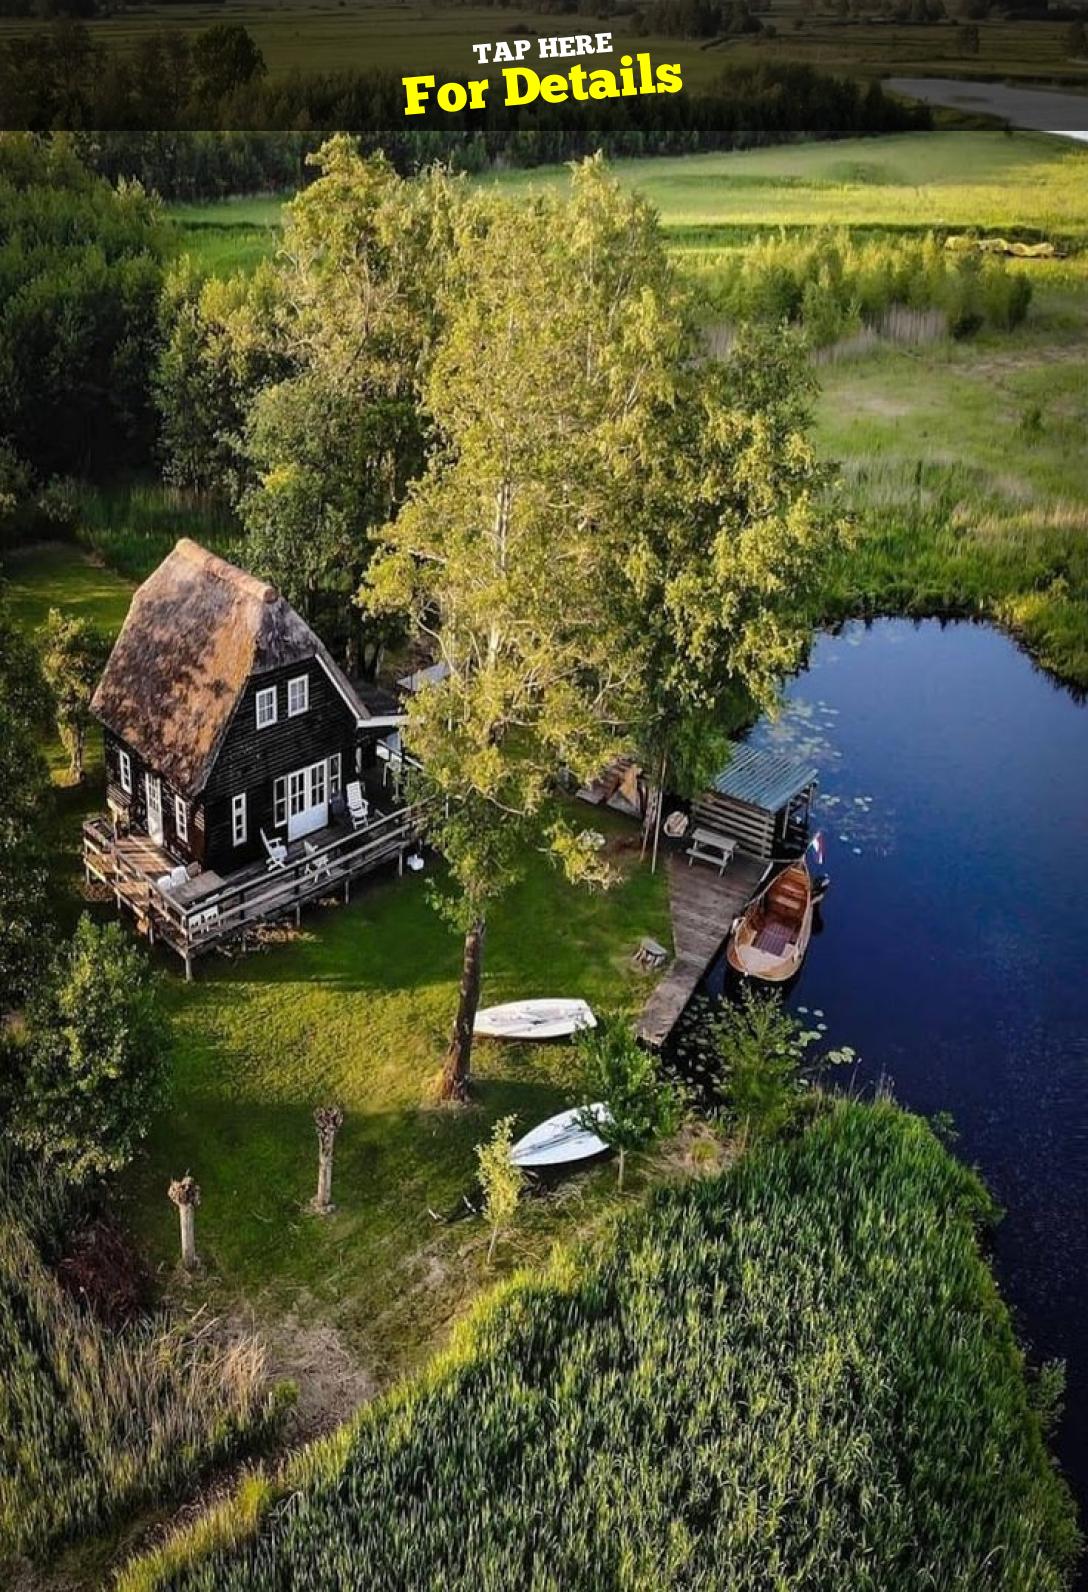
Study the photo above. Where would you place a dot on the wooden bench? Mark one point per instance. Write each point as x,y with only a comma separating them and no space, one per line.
707,845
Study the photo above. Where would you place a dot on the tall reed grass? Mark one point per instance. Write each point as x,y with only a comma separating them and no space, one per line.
798,1374
834,285
132,525
95,1422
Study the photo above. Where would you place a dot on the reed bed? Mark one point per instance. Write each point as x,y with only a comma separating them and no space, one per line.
834,285
95,1422
797,1374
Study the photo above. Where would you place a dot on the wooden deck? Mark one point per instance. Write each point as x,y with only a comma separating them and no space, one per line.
208,910
703,904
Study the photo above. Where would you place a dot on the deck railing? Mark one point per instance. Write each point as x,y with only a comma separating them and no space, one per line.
271,893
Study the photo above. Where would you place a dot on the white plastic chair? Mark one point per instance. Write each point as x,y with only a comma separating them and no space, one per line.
277,852
358,806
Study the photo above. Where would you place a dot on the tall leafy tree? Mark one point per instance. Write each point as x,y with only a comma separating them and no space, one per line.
559,342
80,276
332,444
95,1056
74,654
724,550
610,546
24,780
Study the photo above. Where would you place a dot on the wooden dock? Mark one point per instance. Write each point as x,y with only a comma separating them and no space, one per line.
703,905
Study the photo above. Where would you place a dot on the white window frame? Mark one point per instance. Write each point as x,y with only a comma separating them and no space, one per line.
279,802
334,775
124,770
294,710
266,695
238,819
181,818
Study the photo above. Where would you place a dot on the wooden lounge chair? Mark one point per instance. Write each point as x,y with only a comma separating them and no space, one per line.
277,852
358,806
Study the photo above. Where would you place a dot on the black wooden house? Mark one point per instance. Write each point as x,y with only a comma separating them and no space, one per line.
224,716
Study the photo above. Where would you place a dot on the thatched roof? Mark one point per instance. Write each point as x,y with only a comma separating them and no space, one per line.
198,628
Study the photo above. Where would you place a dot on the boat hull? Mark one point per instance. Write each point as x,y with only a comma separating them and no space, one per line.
770,939
560,1140
541,1019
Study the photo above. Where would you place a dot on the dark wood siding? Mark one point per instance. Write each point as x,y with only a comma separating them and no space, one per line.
134,804
252,759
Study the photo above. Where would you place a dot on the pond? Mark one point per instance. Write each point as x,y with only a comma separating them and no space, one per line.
954,951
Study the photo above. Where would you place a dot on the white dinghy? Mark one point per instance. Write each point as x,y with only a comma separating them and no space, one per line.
547,1019
559,1140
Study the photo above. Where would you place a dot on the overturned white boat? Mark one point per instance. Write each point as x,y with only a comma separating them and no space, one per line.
544,1019
560,1139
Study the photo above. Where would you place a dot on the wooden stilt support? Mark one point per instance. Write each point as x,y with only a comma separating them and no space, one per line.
188,968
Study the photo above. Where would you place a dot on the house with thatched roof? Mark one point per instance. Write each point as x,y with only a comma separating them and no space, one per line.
226,720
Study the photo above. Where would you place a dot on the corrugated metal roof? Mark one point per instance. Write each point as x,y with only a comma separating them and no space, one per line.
763,779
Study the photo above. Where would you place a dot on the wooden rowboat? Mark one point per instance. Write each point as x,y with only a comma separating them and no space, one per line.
771,937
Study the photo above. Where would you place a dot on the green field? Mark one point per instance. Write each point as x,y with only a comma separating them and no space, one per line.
907,181
421,37
913,181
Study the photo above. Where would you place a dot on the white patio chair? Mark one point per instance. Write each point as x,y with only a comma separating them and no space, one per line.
277,852
317,861
358,806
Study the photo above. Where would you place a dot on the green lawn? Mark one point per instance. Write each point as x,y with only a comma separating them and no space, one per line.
354,1008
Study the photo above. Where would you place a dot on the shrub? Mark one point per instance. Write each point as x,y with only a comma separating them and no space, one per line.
830,283
94,1059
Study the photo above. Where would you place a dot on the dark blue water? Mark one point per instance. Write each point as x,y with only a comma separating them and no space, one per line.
954,953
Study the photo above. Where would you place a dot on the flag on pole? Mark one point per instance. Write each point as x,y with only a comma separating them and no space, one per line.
816,846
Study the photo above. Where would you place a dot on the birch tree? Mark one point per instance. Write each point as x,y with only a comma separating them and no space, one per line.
613,546
560,337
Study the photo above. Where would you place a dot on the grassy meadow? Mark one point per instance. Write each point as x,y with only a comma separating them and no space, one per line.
714,1398
913,182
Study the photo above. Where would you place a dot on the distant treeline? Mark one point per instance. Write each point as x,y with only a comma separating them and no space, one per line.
61,78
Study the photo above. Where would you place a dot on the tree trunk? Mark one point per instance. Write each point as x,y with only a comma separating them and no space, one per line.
323,1201
455,1073
187,1215
619,1168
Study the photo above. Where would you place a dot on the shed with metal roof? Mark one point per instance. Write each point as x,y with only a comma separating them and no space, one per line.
763,799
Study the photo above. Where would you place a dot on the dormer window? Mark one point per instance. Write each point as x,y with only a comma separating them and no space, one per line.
266,707
298,695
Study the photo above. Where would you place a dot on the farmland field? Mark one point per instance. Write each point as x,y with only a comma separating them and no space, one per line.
323,37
